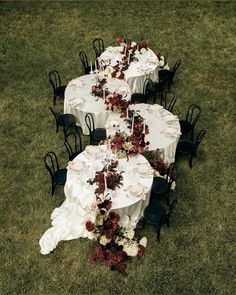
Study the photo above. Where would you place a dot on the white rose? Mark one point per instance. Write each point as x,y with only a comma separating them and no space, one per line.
161,63
133,44
117,74
143,50
109,75
129,233
131,249
173,185
120,48
104,240
143,242
162,58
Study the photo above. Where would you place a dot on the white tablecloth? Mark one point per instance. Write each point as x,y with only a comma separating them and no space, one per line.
68,221
164,129
147,66
79,101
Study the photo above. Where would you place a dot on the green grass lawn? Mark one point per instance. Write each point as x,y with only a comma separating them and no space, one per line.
197,254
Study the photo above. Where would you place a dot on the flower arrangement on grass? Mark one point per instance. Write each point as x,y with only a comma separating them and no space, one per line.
114,243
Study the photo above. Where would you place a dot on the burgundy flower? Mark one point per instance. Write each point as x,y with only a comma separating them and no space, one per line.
89,226
141,251
99,253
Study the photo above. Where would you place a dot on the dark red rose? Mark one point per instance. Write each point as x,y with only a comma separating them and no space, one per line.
141,251
89,226
99,253
119,39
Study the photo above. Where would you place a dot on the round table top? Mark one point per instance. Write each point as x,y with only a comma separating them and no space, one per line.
137,175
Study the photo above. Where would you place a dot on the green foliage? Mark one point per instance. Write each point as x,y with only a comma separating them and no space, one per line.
195,255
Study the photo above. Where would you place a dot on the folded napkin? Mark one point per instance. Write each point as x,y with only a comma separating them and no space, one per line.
172,132
170,118
138,191
76,166
93,150
155,108
144,169
76,83
76,102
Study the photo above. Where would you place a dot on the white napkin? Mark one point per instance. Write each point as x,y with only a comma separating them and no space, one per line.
138,191
76,166
170,118
76,83
93,150
172,132
155,108
144,169
76,102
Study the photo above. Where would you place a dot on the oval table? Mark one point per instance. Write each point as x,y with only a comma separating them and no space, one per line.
68,221
79,100
164,129
146,65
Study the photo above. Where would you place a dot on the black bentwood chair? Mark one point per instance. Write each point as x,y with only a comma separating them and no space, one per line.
98,47
165,77
58,89
73,145
66,121
84,60
161,186
58,176
95,134
189,148
149,91
187,126
168,100
157,216
174,70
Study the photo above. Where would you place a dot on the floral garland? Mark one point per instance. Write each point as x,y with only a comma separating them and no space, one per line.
124,145
107,178
115,101
115,244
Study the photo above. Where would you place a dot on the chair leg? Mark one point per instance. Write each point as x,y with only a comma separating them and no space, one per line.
54,100
53,188
168,222
190,161
158,229
167,197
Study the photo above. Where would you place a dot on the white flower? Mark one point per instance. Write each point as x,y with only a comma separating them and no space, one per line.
118,74
157,173
161,63
109,75
123,44
143,242
133,44
120,48
162,58
131,249
173,185
143,50
129,233
104,240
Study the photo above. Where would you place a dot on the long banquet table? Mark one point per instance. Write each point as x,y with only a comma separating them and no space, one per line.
164,129
68,221
79,100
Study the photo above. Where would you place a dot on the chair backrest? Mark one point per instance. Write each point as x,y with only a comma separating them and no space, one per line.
199,138
171,208
73,143
54,79
89,120
55,114
169,100
175,68
193,114
164,75
98,46
84,60
171,174
51,163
